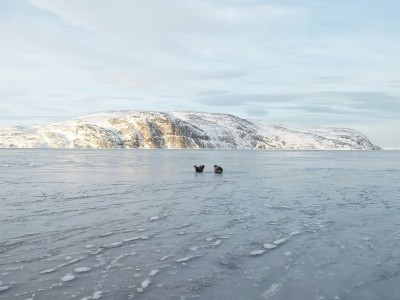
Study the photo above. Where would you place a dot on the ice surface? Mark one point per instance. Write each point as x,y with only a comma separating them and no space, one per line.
136,224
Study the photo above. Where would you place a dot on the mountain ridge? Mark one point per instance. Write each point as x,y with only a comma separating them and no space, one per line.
177,130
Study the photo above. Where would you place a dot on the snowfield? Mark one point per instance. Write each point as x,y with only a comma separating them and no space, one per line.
141,224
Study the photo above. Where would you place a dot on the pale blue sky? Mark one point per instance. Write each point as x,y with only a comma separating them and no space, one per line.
330,63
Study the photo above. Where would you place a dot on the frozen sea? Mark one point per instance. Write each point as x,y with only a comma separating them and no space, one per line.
141,224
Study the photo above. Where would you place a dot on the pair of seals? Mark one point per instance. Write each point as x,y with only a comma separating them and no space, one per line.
218,169
199,169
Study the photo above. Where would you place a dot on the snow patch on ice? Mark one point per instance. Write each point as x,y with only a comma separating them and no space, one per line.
216,243
296,232
35,165
113,245
257,252
82,270
97,295
269,294
184,259
99,250
68,277
269,246
165,257
106,234
48,271
280,241
4,288
143,285
183,226
70,262
153,272
136,238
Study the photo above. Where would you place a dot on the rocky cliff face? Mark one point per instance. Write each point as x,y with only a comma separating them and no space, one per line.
137,129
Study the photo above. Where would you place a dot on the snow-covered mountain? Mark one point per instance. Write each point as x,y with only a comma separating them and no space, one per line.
141,129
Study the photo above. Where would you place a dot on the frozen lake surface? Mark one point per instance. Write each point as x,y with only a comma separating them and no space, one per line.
140,224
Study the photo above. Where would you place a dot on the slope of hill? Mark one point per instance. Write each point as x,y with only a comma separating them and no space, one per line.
176,130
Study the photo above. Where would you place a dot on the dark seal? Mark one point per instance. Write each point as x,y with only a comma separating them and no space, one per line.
218,169
199,169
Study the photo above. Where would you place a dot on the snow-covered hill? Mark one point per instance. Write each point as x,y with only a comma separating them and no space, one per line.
175,130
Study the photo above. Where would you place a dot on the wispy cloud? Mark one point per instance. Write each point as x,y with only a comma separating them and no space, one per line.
226,74
328,79
305,61
256,112
246,99
375,104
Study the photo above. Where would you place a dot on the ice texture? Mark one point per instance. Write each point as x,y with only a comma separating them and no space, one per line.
141,224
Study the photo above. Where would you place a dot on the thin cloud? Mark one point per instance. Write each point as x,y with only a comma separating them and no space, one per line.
324,110
226,74
328,102
256,112
376,101
245,99
328,79
212,93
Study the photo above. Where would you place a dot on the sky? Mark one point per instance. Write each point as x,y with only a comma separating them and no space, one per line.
293,62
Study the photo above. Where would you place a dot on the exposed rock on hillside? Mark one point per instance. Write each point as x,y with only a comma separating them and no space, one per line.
138,129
